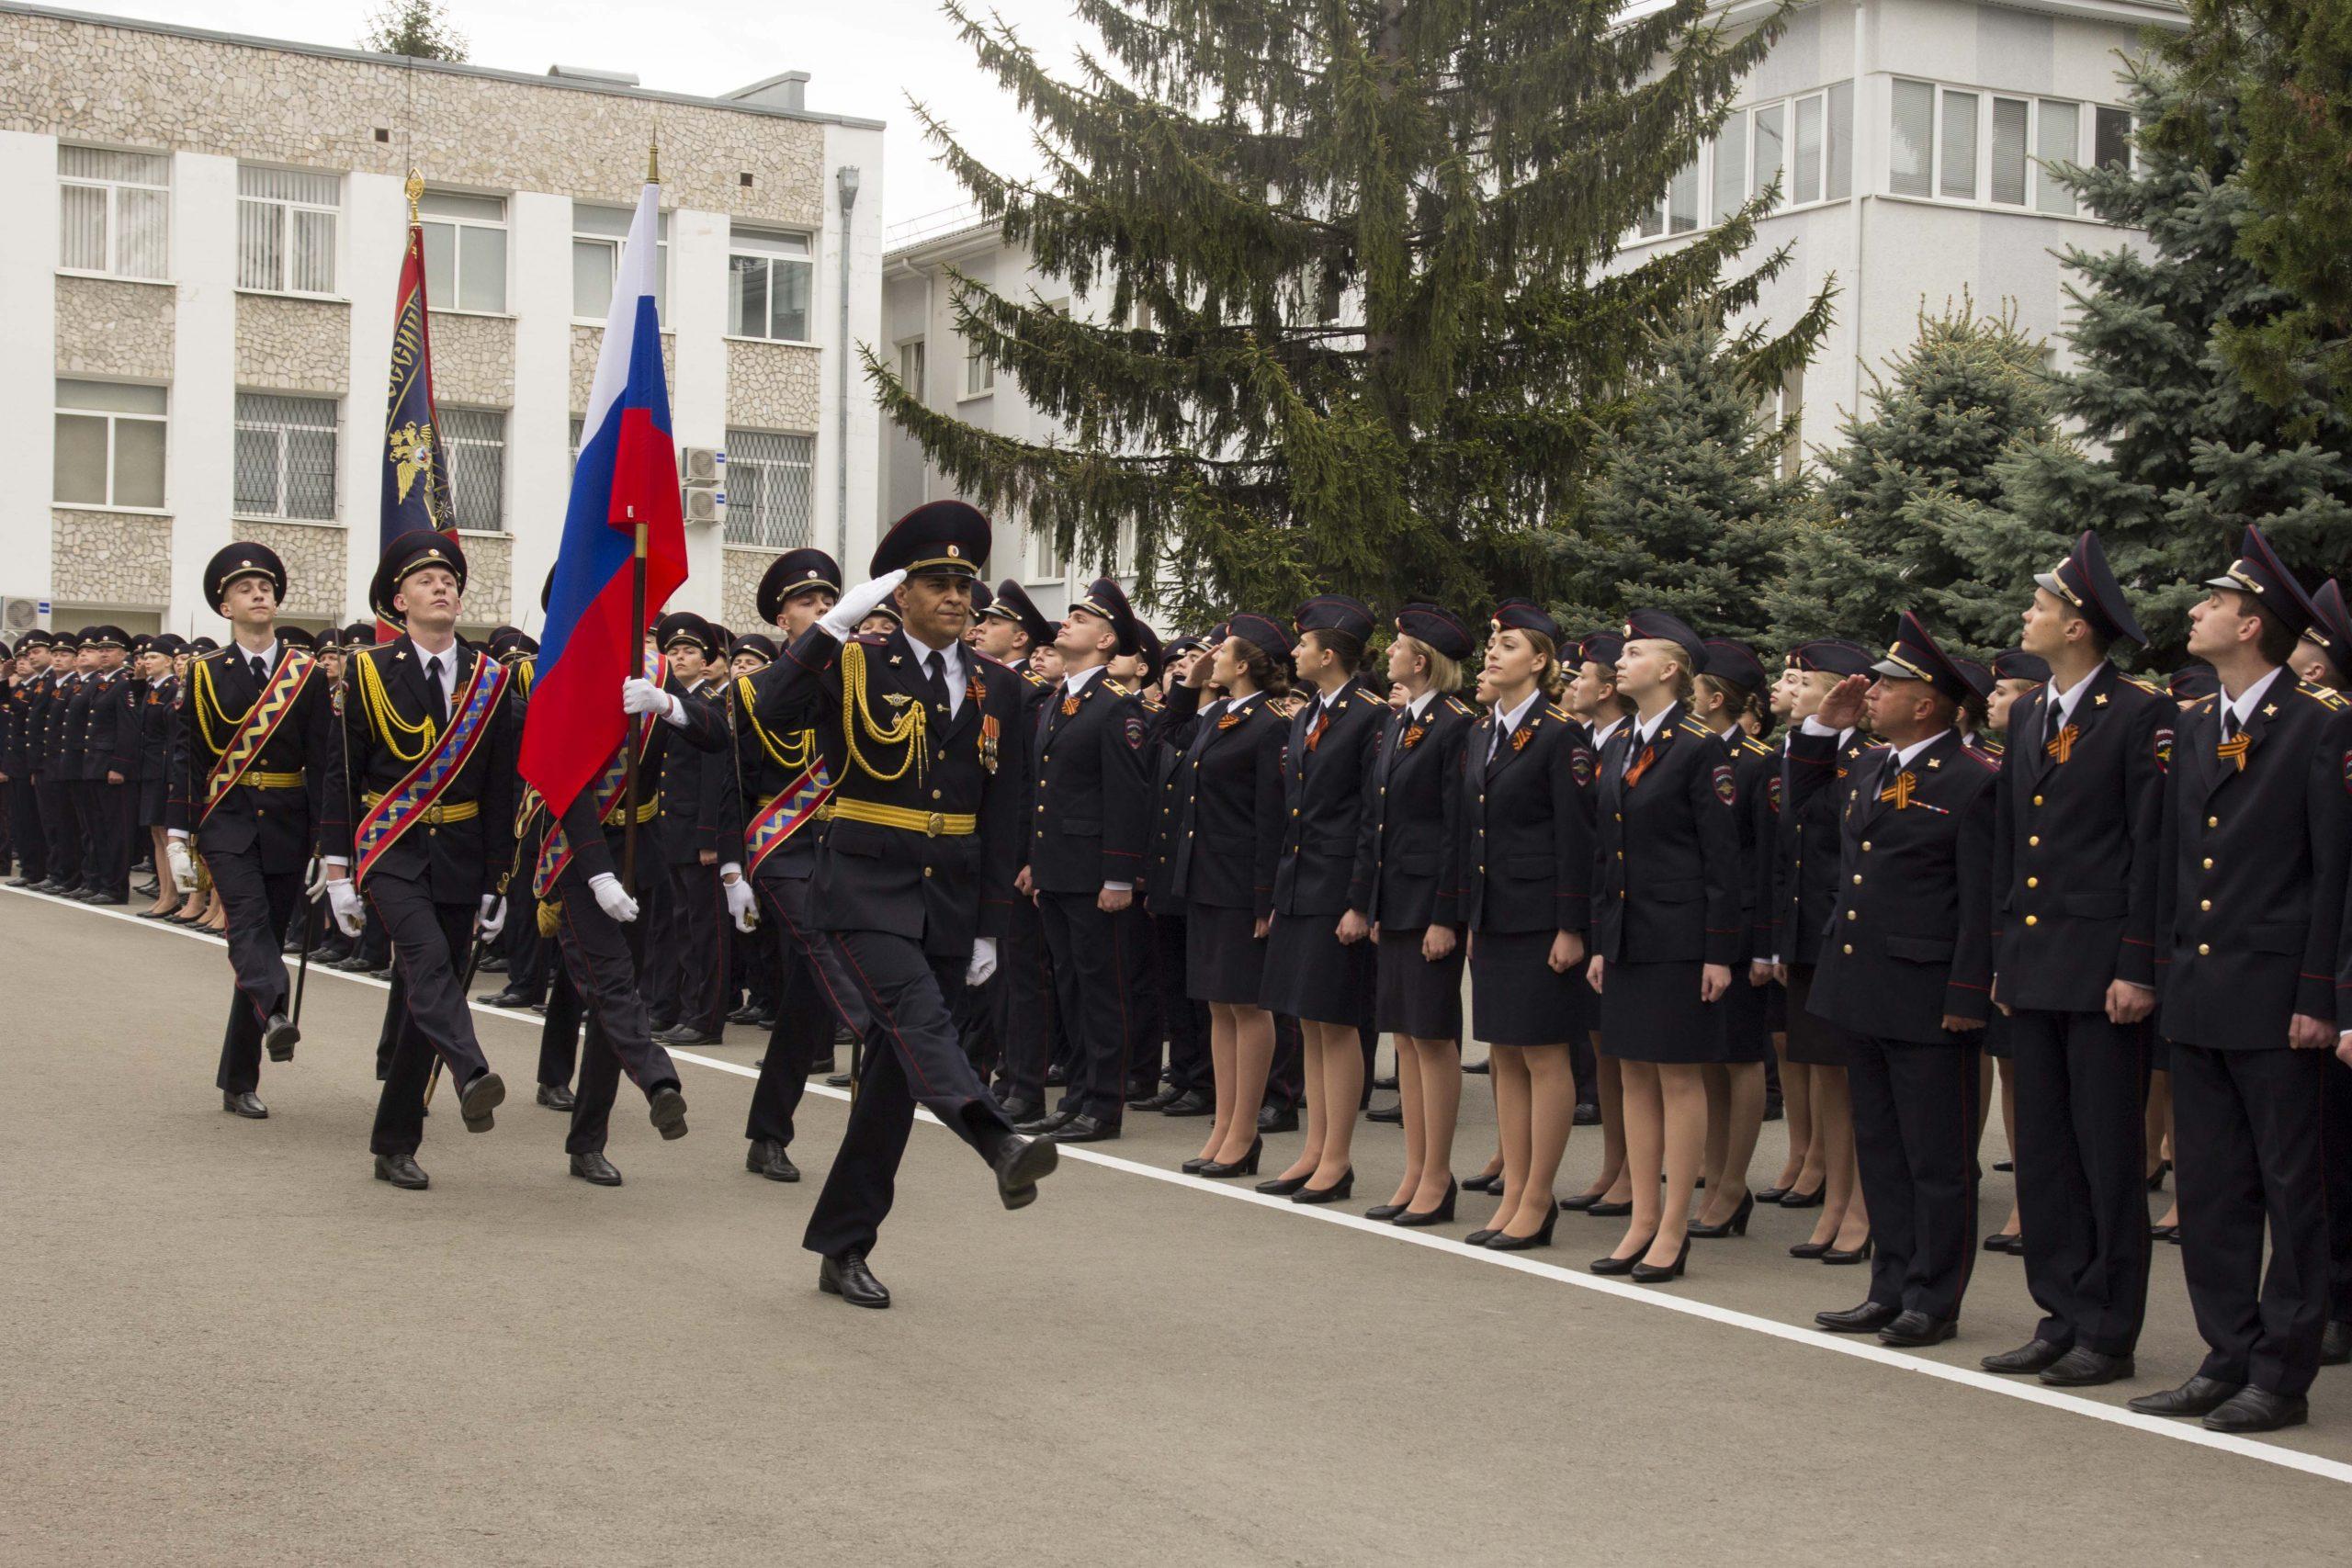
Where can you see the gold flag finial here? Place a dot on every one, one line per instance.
(653, 159)
(415, 189)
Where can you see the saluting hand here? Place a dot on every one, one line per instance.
(1842, 708)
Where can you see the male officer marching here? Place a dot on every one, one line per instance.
(2075, 860)
(915, 874)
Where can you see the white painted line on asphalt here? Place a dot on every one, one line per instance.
(1844, 1345)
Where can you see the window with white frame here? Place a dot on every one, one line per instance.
(771, 282)
(109, 443)
(579, 434)
(285, 456)
(474, 442)
(114, 211)
(1961, 145)
(910, 367)
(980, 370)
(1804, 145)
(597, 234)
(1046, 563)
(771, 489)
(285, 229)
(465, 251)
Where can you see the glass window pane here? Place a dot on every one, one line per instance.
(1957, 147)
(143, 220)
(440, 263)
(1808, 148)
(591, 220)
(82, 239)
(257, 473)
(2008, 151)
(261, 240)
(481, 282)
(2111, 137)
(138, 462)
(1682, 200)
(1771, 146)
(309, 473)
(592, 277)
(111, 397)
(768, 242)
(2057, 140)
(1912, 126)
(747, 297)
(81, 459)
(789, 313)
(1653, 219)
(1841, 141)
(313, 254)
(1731, 166)
(481, 209)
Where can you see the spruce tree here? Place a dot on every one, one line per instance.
(418, 28)
(1363, 334)
(1925, 448)
(2178, 451)
(1690, 512)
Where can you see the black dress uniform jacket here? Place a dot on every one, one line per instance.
(1677, 900)
(456, 862)
(1414, 824)
(283, 824)
(1805, 868)
(2077, 897)
(692, 820)
(111, 743)
(1526, 848)
(1910, 938)
(1232, 835)
(1171, 781)
(1754, 771)
(1089, 814)
(1326, 859)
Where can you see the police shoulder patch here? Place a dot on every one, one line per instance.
(1135, 731)
(1772, 792)
(1726, 790)
(1580, 765)
(2163, 747)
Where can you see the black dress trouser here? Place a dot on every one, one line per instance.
(1185, 1021)
(259, 905)
(1027, 1016)
(25, 830)
(813, 992)
(62, 824)
(430, 941)
(1914, 1141)
(1089, 951)
(603, 957)
(701, 917)
(2336, 1146)
(2247, 1159)
(2082, 1174)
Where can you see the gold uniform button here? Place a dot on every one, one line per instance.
(2035, 841)
(2037, 800)
(1866, 846)
(2203, 951)
(1852, 915)
(1849, 950)
(2208, 862)
(926, 871)
(2212, 821)
(2033, 919)
(2205, 904)
(934, 794)
(1857, 880)
(2034, 882)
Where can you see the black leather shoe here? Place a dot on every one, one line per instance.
(1082, 1129)
(667, 1108)
(558, 1097)
(103, 899)
(1019, 1111)
(682, 1035)
(1867, 1318)
(767, 1157)
(1158, 1100)
(2164, 1233)
(1271, 1119)
(1284, 1186)
(745, 1014)
(2335, 1344)
(822, 1067)
(837, 1080)
(280, 1037)
(401, 1171)
(1056, 1077)
(1581, 1202)
(2256, 1409)
(493, 965)
(244, 1103)
(1388, 1115)
(849, 1277)
(2001, 1241)
(1020, 1161)
(1218, 1170)
(1479, 1068)
(484, 1095)
(1389, 1082)
(1613, 1264)
(1440, 1215)
(1813, 1200)
(595, 1169)
(507, 999)
(2083, 1367)
(1916, 1328)
(1586, 1114)
(2031, 1356)
(1503, 1241)
(1386, 1212)
(1343, 1189)
(1191, 1102)
(1051, 1121)
(1848, 1253)
(2201, 1395)
(1606, 1211)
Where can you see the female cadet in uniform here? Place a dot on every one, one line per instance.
(1593, 701)
(1525, 853)
(1666, 927)
(1728, 676)
(1414, 825)
(1224, 870)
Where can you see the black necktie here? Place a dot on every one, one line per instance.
(261, 673)
(437, 699)
(934, 676)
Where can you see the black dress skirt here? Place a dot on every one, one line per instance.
(1813, 1041)
(150, 802)
(1746, 1017)
(1652, 1012)
(1223, 959)
(1310, 974)
(1415, 997)
(1516, 1000)
(1995, 1033)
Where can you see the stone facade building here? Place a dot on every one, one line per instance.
(201, 299)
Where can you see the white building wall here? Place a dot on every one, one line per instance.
(199, 474)
(538, 428)
(374, 224)
(27, 365)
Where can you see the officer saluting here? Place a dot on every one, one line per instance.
(915, 875)
(2249, 905)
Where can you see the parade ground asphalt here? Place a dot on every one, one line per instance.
(225, 1343)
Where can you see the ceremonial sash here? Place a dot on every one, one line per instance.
(555, 851)
(792, 809)
(405, 804)
(255, 728)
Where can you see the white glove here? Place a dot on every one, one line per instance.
(739, 902)
(612, 897)
(342, 898)
(983, 962)
(859, 602)
(492, 919)
(183, 865)
(640, 695)
(316, 887)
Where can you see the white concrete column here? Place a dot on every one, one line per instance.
(29, 361)
(199, 474)
(374, 220)
(697, 324)
(851, 539)
(539, 429)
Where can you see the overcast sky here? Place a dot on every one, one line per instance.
(863, 57)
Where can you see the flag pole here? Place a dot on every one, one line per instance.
(635, 740)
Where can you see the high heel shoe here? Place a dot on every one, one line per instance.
(1735, 1225)
(2156, 1180)
(1284, 1186)
(1441, 1214)
(1480, 1238)
(1246, 1165)
(1813, 1200)
(1858, 1255)
(1484, 1183)
(1810, 1248)
(1611, 1211)
(1192, 1167)
(1651, 1274)
(1614, 1265)
(1773, 1194)
(1581, 1203)
(1503, 1241)
(1344, 1188)
(1384, 1211)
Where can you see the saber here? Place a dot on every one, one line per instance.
(311, 915)
(465, 987)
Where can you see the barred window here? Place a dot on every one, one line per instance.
(771, 489)
(475, 441)
(286, 457)
(285, 229)
(115, 211)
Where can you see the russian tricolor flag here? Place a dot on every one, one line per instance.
(627, 479)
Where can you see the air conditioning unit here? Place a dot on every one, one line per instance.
(19, 617)
(705, 506)
(702, 465)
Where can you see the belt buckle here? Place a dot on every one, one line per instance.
(934, 825)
